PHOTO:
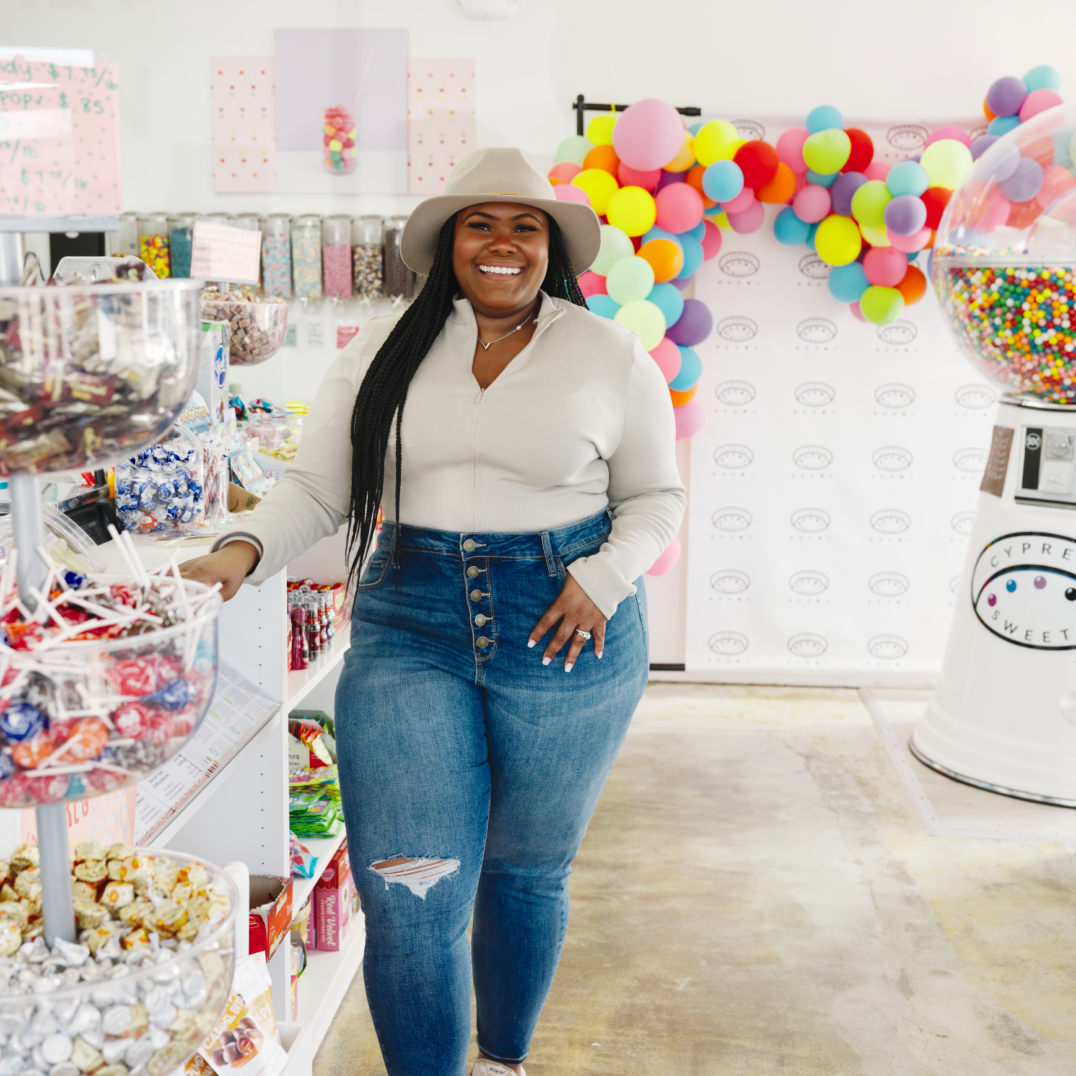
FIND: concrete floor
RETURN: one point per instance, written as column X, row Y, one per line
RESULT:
column 756, row 896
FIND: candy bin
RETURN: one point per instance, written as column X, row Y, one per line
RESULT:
column 153, row 244
column 124, row 241
column 1004, row 713
column 367, row 239
column 181, row 243
column 336, row 256
column 399, row 279
column 338, row 141
column 276, row 255
column 306, row 256
column 161, row 491
column 258, row 327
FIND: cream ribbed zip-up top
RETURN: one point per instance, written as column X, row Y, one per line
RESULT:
column 579, row 420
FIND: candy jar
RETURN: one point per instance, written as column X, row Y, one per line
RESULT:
column 276, row 255
column 153, row 246
column 181, row 242
column 336, row 256
column 338, row 141
column 368, row 255
column 399, row 280
column 306, row 256
column 125, row 238
column 161, row 491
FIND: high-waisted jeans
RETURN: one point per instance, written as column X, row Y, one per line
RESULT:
column 469, row 772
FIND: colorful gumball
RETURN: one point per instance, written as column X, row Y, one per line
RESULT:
column 781, row 188
column 914, row 285
column 565, row 172
column 789, row 229
column 592, row 284
column 689, row 373
column 904, row 215
column 629, row 280
column 862, row 151
column 669, row 299
column 679, row 208
column 758, row 162
column 827, row 151
column 566, row 192
column 946, row 163
column 669, row 556
column 711, row 240
column 644, row 319
column 907, row 177
column 667, row 356
column 1006, row 95
column 603, row 306
column 648, row 134
column 666, row 258
column 633, row 177
column 632, row 210
column 748, row 220
column 885, row 267
column 716, row 141
column 818, row 119
column 722, row 181
column 837, row 241
column 954, row 133
column 881, row 305
column 935, row 199
column 690, row 418
column 790, row 149
column 685, row 159
column 847, row 283
column 602, row 157
column 600, row 129
column 694, row 326
column 842, row 191
column 574, row 149
column 614, row 246
column 869, row 202
column 812, row 204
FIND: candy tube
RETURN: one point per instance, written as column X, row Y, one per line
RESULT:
column 368, row 256
column 276, row 255
column 306, row 256
column 336, row 256
column 153, row 247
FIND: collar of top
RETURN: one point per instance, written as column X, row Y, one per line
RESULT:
column 548, row 311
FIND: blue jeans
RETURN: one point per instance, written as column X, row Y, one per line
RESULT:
column 469, row 772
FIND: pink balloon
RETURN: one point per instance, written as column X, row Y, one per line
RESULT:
column 690, row 418
column 592, row 284
column 667, row 356
column 996, row 212
column 876, row 170
column 908, row 244
column 740, row 202
column 1055, row 182
column 668, row 559
column 790, row 149
column 648, row 134
column 566, row 171
column 1038, row 101
column 812, row 204
column 954, row 133
column 632, row 177
column 856, row 312
column 711, row 239
column 801, row 182
column 885, row 266
column 680, row 208
column 749, row 220
column 566, row 192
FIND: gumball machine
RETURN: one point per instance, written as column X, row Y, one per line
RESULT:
column 1004, row 268
column 112, row 954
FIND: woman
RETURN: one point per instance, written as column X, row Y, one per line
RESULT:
column 534, row 480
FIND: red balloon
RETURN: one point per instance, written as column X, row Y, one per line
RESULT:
column 935, row 199
column 862, row 150
column 758, row 161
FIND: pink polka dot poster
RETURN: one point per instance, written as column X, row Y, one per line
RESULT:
column 244, row 123
column 440, row 121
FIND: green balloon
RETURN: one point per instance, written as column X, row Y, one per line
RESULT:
column 645, row 319
column 826, row 152
column 574, row 149
column 869, row 202
column 614, row 246
column 629, row 280
column 881, row 306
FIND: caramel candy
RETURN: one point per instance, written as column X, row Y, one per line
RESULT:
column 26, row 855
column 89, row 915
column 121, row 851
column 131, row 914
column 137, row 939
column 28, row 883
column 14, row 910
column 7, row 893
column 94, row 871
column 85, row 1057
column 83, row 891
column 89, row 850
column 5, row 869
column 170, row 917
column 118, row 894
column 112, row 1070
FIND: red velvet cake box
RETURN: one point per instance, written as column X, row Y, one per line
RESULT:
column 332, row 902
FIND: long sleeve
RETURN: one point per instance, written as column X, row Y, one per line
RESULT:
column 645, row 492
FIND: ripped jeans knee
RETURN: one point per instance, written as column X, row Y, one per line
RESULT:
column 418, row 874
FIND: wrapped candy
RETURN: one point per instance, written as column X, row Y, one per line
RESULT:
column 160, row 491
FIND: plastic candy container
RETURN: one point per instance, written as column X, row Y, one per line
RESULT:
column 368, row 256
column 258, row 328
column 153, row 246
column 336, row 256
column 161, row 491
column 338, row 141
column 306, row 256
column 1004, row 259
column 276, row 255
column 399, row 280
column 181, row 242
column 124, row 241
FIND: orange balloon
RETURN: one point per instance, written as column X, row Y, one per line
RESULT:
column 665, row 258
column 986, row 108
column 930, row 242
column 681, row 398
column 603, row 157
column 914, row 285
column 553, row 181
column 694, row 179
column 781, row 187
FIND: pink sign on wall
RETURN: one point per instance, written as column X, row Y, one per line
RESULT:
column 108, row 819
column 440, row 121
column 244, row 123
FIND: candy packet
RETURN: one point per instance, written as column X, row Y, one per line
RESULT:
column 303, row 861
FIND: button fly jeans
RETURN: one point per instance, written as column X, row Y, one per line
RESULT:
column 469, row 772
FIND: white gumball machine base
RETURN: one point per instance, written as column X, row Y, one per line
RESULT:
column 998, row 719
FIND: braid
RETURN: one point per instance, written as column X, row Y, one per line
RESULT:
column 383, row 390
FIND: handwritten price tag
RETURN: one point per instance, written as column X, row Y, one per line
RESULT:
column 37, row 156
column 222, row 252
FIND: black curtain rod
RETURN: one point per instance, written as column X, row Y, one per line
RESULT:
column 582, row 104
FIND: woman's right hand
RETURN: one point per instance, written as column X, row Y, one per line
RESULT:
column 228, row 566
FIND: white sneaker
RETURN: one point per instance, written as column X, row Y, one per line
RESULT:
column 483, row 1067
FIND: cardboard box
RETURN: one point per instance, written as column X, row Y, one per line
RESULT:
column 332, row 902
column 270, row 913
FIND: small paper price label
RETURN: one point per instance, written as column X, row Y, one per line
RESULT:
column 222, row 252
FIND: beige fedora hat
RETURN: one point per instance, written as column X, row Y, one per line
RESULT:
column 499, row 175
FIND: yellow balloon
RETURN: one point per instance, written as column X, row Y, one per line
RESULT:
column 722, row 220
column 837, row 240
column 632, row 210
column 717, row 140
column 600, row 129
column 946, row 162
column 599, row 187
column 877, row 237
column 685, row 159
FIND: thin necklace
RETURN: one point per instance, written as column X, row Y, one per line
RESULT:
column 506, row 335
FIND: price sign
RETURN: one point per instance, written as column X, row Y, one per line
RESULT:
column 223, row 252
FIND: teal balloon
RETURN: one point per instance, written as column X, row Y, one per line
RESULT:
column 692, row 256
column 789, row 229
column 819, row 180
column 848, row 282
column 722, row 181
column 1001, row 125
column 603, row 306
column 1043, row 77
column 695, row 128
column 713, row 211
column 907, row 177
column 690, row 371
column 668, row 299
column 810, row 236
column 659, row 233
column 823, row 118
column 698, row 232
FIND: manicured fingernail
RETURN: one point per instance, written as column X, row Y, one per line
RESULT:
column 530, row 644
column 546, row 661
column 599, row 653
column 568, row 667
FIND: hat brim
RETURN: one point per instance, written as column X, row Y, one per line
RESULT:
column 579, row 226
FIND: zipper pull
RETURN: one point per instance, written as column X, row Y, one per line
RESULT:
column 478, row 398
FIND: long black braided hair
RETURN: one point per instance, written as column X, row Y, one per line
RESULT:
column 383, row 390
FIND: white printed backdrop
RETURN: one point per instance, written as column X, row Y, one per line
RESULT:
column 834, row 483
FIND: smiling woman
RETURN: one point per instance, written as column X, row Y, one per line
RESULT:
column 529, row 449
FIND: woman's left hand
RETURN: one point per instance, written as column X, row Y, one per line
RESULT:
column 574, row 610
